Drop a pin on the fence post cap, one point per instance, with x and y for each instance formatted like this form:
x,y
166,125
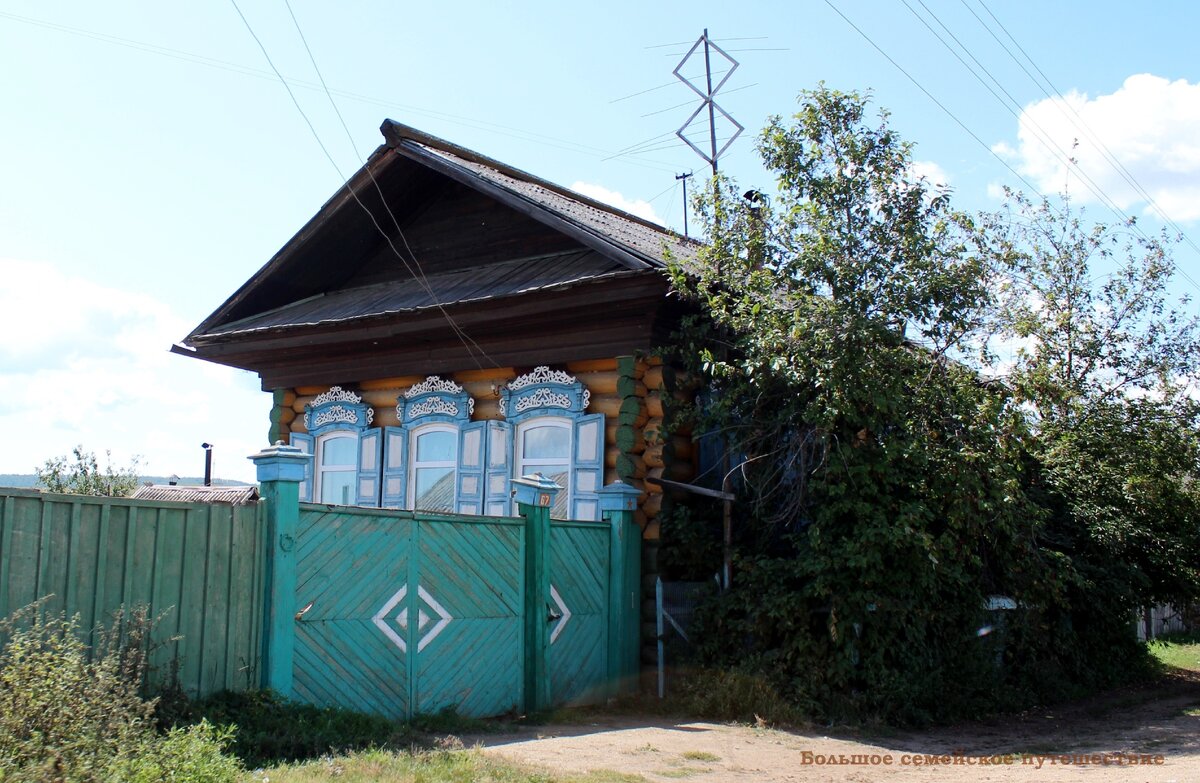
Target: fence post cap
x,y
280,463
618,496
535,490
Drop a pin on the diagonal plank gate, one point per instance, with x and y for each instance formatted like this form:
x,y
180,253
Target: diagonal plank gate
x,y
402,613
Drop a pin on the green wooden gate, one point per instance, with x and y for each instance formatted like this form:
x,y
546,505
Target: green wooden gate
x,y
577,658
400,613
404,613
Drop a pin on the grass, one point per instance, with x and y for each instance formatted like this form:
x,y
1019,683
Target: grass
x,y
435,766
700,755
1177,651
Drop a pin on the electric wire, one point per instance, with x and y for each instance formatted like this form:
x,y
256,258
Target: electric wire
x,y
419,275
1063,106
325,150
930,96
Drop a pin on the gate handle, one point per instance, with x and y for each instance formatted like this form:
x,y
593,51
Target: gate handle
x,y
551,614
300,614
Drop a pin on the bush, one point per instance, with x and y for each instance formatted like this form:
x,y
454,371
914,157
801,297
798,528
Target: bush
x,y
73,713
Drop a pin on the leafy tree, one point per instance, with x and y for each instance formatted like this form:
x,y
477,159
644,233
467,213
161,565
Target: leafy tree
x,y
83,476
1102,358
883,478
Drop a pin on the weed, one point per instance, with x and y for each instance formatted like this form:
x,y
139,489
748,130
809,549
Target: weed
x,y
700,755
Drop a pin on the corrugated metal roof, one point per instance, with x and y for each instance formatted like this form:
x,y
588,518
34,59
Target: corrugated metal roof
x,y
467,285
237,495
646,240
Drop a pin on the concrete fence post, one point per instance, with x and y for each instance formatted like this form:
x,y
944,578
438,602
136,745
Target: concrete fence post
x,y
280,470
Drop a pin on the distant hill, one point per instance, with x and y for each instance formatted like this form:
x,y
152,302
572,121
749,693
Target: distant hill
x,y
23,480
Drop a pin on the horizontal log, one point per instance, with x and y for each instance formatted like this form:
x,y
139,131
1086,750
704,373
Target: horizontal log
x,y
298,405
654,405
310,391
653,360
297,426
610,474
289,397
483,390
608,405
652,531
591,365
654,457
652,506
653,473
500,374
682,448
600,382
386,417
281,415
654,431
380,398
653,378
397,383
487,409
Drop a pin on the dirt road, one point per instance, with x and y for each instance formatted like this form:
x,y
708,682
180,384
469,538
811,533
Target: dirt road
x,y
1158,725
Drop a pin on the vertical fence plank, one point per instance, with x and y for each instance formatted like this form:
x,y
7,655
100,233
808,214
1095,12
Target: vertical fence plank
x,y
7,522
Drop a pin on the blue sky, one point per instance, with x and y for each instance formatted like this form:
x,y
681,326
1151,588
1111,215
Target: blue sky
x,y
150,161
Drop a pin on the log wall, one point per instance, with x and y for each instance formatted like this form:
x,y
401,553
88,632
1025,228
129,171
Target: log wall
x,y
633,393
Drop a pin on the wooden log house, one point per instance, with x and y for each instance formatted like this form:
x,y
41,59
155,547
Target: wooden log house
x,y
446,322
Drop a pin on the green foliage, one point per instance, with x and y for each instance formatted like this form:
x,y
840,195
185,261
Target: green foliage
x,y
85,477
270,728
888,489
1101,367
71,713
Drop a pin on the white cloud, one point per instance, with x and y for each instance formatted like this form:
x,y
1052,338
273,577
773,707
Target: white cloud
x,y
934,175
1150,124
639,207
85,363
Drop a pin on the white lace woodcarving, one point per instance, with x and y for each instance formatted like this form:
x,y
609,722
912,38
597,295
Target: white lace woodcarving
x,y
433,405
434,384
336,394
543,398
540,375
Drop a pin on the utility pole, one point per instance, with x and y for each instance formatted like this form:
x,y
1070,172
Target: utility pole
x,y
684,178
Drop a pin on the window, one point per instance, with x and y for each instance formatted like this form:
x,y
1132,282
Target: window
x,y
337,468
346,451
556,437
544,446
434,466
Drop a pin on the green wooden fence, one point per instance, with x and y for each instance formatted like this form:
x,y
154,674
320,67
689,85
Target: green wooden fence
x,y
200,566
400,612
393,612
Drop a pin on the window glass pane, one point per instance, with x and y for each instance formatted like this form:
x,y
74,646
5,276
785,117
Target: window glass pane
x,y
337,486
436,446
435,489
338,451
546,442
558,474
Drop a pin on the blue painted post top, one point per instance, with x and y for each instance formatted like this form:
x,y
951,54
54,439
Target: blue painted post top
x,y
535,490
280,463
618,496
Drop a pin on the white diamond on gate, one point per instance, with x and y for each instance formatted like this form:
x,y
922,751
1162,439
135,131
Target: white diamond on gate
x,y
566,614
444,618
380,618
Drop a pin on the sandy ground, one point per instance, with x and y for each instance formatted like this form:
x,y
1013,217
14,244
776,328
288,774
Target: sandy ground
x,y
1159,723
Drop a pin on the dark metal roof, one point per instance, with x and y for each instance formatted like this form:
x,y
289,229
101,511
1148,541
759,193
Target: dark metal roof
x,y
467,285
237,495
645,239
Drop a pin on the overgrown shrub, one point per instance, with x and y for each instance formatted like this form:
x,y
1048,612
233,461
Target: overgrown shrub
x,y
76,714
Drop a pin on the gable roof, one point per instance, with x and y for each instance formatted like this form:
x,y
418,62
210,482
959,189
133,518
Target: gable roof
x,y
618,241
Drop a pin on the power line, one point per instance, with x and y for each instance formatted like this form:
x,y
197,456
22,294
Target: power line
x,y
325,150
258,73
930,96
1063,106
420,276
